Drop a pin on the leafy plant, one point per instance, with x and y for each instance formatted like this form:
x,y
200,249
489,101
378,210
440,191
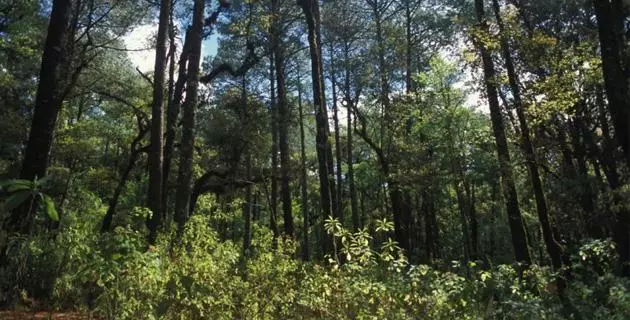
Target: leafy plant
x,y
21,190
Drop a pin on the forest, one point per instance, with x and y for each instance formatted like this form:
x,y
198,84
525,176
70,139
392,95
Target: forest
x,y
306,159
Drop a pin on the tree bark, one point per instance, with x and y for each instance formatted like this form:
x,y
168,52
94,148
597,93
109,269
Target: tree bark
x,y
113,202
172,113
247,206
551,244
310,9
303,180
338,185
356,221
519,238
273,197
48,102
184,178
283,128
156,154
611,16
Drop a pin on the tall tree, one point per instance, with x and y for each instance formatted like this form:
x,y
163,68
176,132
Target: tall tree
x,y
184,178
551,244
48,101
611,19
310,9
283,121
515,218
156,154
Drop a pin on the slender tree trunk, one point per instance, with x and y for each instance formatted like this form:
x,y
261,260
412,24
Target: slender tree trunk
x,y
184,178
333,79
311,12
463,209
172,113
283,131
409,44
169,106
113,202
48,102
303,181
157,124
553,247
273,197
474,226
519,238
356,221
247,206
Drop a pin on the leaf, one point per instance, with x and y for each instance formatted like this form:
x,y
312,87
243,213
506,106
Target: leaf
x,y
50,208
16,184
15,200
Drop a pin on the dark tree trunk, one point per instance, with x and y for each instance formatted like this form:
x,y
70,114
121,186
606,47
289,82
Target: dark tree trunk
x,y
586,196
172,113
273,197
303,181
311,12
184,178
333,80
247,206
356,221
519,237
474,226
283,131
48,101
553,247
463,213
611,16
409,45
156,153
113,202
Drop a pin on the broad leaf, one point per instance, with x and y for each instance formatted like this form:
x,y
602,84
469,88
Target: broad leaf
x,y
50,208
15,200
16,184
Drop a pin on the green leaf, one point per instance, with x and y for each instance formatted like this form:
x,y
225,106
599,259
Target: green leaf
x,y
15,200
50,208
16,185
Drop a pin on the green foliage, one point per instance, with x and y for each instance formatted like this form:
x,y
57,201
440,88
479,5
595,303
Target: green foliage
x,y
21,191
198,275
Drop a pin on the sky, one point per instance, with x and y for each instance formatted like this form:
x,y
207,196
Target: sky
x,y
143,53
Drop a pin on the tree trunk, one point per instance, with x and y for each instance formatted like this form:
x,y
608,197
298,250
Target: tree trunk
x,y
283,130
184,178
113,202
408,53
519,238
474,226
611,16
48,102
247,206
356,221
303,181
311,12
273,197
156,152
333,79
172,113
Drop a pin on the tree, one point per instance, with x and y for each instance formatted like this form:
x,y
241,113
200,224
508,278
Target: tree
x,y
519,238
310,8
184,178
156,158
